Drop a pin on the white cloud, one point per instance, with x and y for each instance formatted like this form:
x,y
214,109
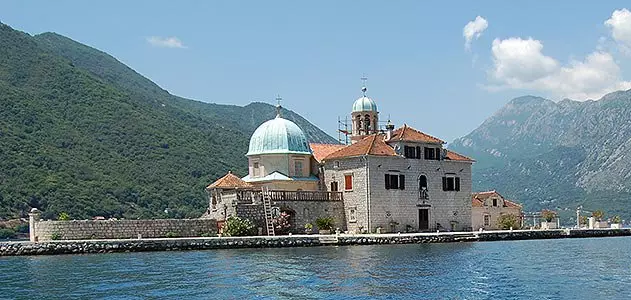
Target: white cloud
x,y
521,64
620,25
473,30
165,42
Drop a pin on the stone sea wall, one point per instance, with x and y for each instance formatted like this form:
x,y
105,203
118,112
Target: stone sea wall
x,y
121,229
180,244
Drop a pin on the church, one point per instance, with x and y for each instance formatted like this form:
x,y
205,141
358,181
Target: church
x,y
386,180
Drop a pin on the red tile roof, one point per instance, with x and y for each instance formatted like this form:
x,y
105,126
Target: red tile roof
x,y
409,134
229,181
370,145
320,151
477,199
455,156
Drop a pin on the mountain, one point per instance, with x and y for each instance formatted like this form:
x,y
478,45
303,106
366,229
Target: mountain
x,y
556,155
81,132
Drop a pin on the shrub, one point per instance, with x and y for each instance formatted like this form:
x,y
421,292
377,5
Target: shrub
x,y
616,220
325,223
236,226
282,224
170,234
63,216
548,215
7,233
583,220
55,236
21,228
508,221
598,215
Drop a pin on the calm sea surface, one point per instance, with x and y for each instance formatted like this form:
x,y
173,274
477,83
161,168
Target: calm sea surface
x,y
541,269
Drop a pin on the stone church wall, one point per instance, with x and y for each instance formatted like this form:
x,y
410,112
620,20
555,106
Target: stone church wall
x,y
302,212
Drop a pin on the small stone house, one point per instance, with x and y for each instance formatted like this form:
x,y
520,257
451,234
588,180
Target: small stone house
x,y
487,207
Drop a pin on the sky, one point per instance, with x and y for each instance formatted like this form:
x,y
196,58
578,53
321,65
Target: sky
x,y
442,67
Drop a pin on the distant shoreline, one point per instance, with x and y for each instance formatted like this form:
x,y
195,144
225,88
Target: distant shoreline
x,y
21,248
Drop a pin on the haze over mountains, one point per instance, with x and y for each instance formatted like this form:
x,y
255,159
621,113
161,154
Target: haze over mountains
x,y
556,155
83,133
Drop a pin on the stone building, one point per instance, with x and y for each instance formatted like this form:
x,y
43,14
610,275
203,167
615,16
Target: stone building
x,y
487,207
387,179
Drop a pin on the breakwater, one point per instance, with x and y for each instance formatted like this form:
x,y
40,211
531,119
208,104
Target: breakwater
x,y
180,244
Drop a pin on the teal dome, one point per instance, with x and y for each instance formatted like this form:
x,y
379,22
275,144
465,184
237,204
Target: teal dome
x,y
364,104
278,136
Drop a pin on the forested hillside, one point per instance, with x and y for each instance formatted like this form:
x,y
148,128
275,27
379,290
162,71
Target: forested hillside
x,y
83,133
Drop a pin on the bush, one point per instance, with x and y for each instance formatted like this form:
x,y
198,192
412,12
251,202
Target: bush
x,y
63,216
282,224
170,234
325,223
7,233
616,220
21,228
598,215
236,226
508,221
55,236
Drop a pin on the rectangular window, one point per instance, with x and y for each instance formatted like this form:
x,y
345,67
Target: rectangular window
x,y
451,183
333,186
298,168
255,169
352,215
432,153
348,182
429,153
395,181
494,202
412,152
487,220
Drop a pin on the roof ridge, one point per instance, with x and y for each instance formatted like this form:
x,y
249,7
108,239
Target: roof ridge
x,y
372,143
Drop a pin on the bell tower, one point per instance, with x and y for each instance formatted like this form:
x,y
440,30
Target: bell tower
x,y
365,117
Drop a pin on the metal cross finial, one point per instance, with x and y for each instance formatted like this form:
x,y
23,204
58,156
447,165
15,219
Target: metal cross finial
x,y
278,100
364,79
278,106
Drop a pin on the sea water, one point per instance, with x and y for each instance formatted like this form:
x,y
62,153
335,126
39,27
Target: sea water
x,y
592,268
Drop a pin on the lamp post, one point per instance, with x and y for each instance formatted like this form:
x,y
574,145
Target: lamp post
x,y
578,216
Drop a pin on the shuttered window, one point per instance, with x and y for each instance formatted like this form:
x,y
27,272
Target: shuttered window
x,y
451,183
394,181
348,182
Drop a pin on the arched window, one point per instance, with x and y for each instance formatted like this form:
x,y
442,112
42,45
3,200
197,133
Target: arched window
x,y
367,124
422,187
358,124
422,182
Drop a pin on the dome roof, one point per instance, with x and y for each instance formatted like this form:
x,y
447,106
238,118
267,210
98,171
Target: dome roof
x,y
278,136
364,104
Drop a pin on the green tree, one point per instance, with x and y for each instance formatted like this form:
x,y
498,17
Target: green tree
x,y
508,221
548,215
